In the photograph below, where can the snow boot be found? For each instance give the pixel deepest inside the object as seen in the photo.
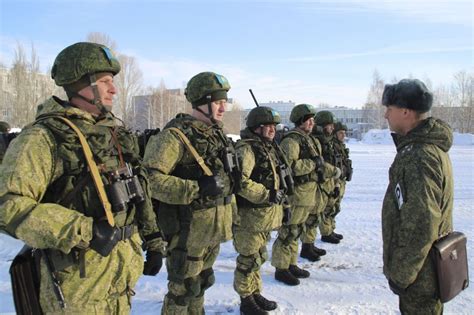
(307, 251)
(248, 306)
(264, 304)
(285, 276)
(330, 239)
(298, 272)
(319, 251)
(337, 235)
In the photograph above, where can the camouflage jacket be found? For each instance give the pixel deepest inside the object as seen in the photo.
(418, 204)
(47, 197)
(257, 156)
(328, 152)
(174, 175)
(342, 157)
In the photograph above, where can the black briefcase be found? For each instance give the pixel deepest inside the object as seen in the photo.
(25, 277)
(450, 261)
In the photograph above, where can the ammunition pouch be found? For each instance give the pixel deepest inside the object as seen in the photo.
(232, 166)
(25, 278)
(303, 179)
(450, 261)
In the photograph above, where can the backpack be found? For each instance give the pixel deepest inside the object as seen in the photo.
(143, 138)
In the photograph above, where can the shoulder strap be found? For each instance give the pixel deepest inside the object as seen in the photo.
(99, 185)
(192, 150)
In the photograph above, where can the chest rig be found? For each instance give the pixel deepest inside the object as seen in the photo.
(308, 150)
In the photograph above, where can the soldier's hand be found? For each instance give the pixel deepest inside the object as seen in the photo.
(210, 185)
(319, 160)
(104, 237)
(153, 263)
(276, 196)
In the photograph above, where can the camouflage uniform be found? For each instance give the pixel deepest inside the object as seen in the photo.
(194, 224)
(418, 204)
(258, 216)
(48, 200)
(299, 149)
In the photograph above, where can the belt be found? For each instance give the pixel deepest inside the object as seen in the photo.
(127, 231)
(213, 203)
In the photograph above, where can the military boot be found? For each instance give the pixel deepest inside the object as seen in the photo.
(330, 239)
(319, 251)
(285, 276)
(298, 272)
(264, 304)
(308, 252)
(337, 235)
(248, 306)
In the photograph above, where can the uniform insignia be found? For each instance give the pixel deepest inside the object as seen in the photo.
(399, 196)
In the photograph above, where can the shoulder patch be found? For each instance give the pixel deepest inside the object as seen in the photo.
(399, 195)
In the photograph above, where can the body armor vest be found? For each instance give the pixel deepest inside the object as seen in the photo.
(308, 150)
(112, 147)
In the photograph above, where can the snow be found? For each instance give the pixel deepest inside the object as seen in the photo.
(348, 280)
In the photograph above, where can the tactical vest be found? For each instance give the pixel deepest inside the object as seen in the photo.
(308, 150)
(262, 173)
(74, 188)
(327, 148)
(211, 144)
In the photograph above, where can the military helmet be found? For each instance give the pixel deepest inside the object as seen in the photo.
(324, 118)
(4, 126)
(339, 126)
(206, 84)
(300, 112)
(80, 59)
(262, 115)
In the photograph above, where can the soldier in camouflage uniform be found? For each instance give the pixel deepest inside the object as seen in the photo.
(49, 200)
(4, 129)
(330, 187)
(260, 205)
(195, 206)
(418, 205)
(344, 163)
(303, 155)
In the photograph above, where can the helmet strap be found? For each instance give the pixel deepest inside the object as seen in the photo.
(209, 110)
(97, 100)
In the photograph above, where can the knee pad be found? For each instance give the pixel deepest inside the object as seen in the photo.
(193, 286)
(207, 280)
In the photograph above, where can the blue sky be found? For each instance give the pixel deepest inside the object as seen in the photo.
(305, 51)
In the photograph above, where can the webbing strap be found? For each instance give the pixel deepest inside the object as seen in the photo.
(193, 151)
(99, 185)
(272, 164)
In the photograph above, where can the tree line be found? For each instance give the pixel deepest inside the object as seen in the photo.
(23, 87)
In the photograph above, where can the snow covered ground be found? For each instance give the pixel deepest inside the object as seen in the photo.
(348, 280)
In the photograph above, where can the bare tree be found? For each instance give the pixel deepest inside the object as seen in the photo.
(128, 82)
(374, 112)
(102, 38)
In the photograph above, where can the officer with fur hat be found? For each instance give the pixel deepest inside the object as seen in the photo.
(260, 203)
(72, 205)
(418, 204)
(194, 173)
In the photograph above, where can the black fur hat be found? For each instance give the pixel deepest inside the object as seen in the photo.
(408, 93)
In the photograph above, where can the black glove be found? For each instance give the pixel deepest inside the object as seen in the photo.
(210, 185)
(395, 288)
(319, 160)
(336, 192)
(104, 237)
(276, 196)
(153, 263)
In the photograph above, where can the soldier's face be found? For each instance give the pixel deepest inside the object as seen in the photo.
(267, 131)
(396, 118)
(218, 109)
(105, 86)
(341, 135)
(308, 125)
(328, 129)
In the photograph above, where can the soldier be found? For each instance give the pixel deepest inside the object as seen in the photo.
(49, 200)
(418, 205)
(331, 186)
(303, 155)
(260, 205)
(193, 175)
(342, 162)
(4, 130)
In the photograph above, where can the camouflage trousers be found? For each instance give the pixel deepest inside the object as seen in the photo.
(107, 287)
(186, 295)
(314, 218)
(327, 223)
(252, 249)
(285, 247)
